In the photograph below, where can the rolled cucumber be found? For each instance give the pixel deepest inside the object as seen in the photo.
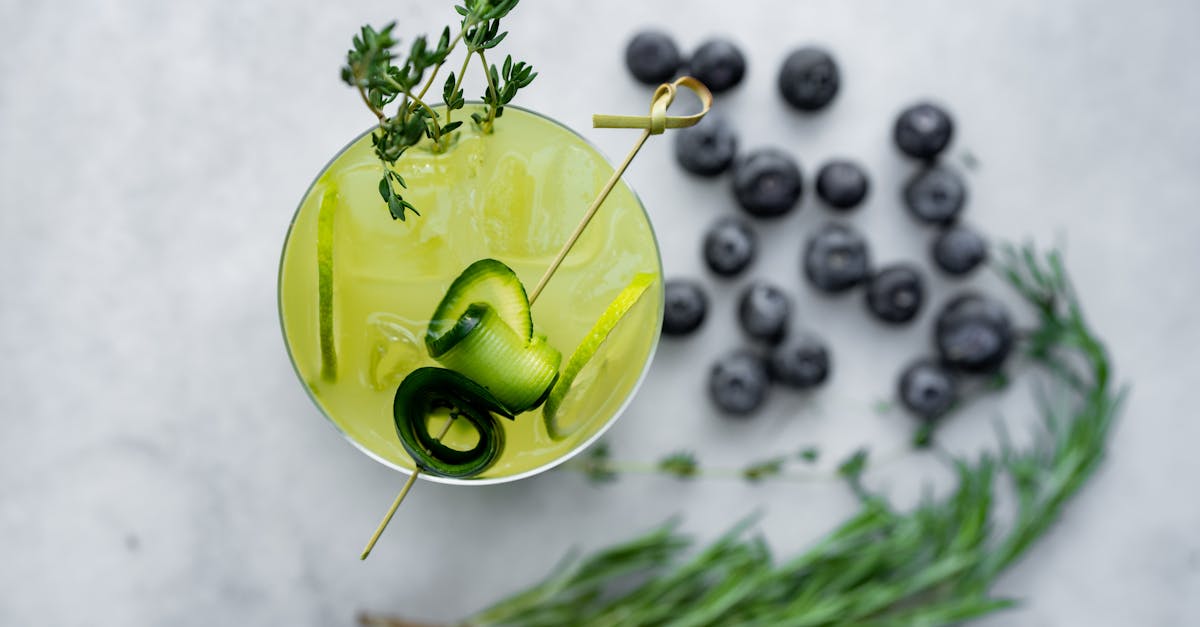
(481, 347)
(482, 332)
(426, 390)
(485, 281)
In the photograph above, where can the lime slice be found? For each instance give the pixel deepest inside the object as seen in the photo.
(325, 282)
(582, 368)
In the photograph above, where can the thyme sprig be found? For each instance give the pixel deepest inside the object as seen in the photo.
(502, 86)
(933, 565)
(381, 78)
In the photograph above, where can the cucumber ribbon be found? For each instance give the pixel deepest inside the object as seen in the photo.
(426, 390)
(482, 333)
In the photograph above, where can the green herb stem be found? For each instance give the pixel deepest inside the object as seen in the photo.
(492, 105)
(433, 116)
(458, 79)
(376, 110)
(438, 68)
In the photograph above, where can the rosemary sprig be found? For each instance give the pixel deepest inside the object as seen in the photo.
(381, 78)
(599, 466)
(933, 565)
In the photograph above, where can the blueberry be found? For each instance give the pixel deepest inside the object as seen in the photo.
(801, 363)
(935, 194)
(708, 148)
(729, 246)
(684, 306)
(763, 311)
(927, 389)
(923, 130)
(958, 250)
(974, 334)
(809, 79)
(652, 57)
(738, 383)
(895, 293)
(842, 184)
(767, 183)
(718, 64)
(836, 259)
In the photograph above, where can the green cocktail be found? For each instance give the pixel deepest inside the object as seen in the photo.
(357, 289)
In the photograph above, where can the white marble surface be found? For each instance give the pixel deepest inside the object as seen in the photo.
(161, 465)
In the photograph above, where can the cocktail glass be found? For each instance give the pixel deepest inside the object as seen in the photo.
(357, 288)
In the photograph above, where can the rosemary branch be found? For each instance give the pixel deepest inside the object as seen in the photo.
(933, 565)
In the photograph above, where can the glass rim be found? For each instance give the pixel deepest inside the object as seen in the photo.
(578, 448)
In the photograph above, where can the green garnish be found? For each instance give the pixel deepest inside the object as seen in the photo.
(325, 283)
(420, 395)
(586, 351)
(483, 329)
(482, 332)
(481, 347)
(381, 78)
(484, 281)
(933, 565)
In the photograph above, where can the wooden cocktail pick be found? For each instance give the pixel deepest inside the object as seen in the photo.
(653, 124)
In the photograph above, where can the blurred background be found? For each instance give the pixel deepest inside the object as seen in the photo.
(160, 463)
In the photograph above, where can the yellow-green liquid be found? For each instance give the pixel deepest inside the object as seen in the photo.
(515, 195)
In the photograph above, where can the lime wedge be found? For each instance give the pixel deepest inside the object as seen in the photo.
(583, 369)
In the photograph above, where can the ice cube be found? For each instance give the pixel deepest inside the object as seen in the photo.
(442, 186)
(570, 177)
(507, 209)
(368, 241)
(393, 349)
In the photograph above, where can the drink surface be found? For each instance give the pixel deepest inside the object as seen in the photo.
(514, 195)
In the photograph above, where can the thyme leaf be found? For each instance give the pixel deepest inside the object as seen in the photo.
(682, 464)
